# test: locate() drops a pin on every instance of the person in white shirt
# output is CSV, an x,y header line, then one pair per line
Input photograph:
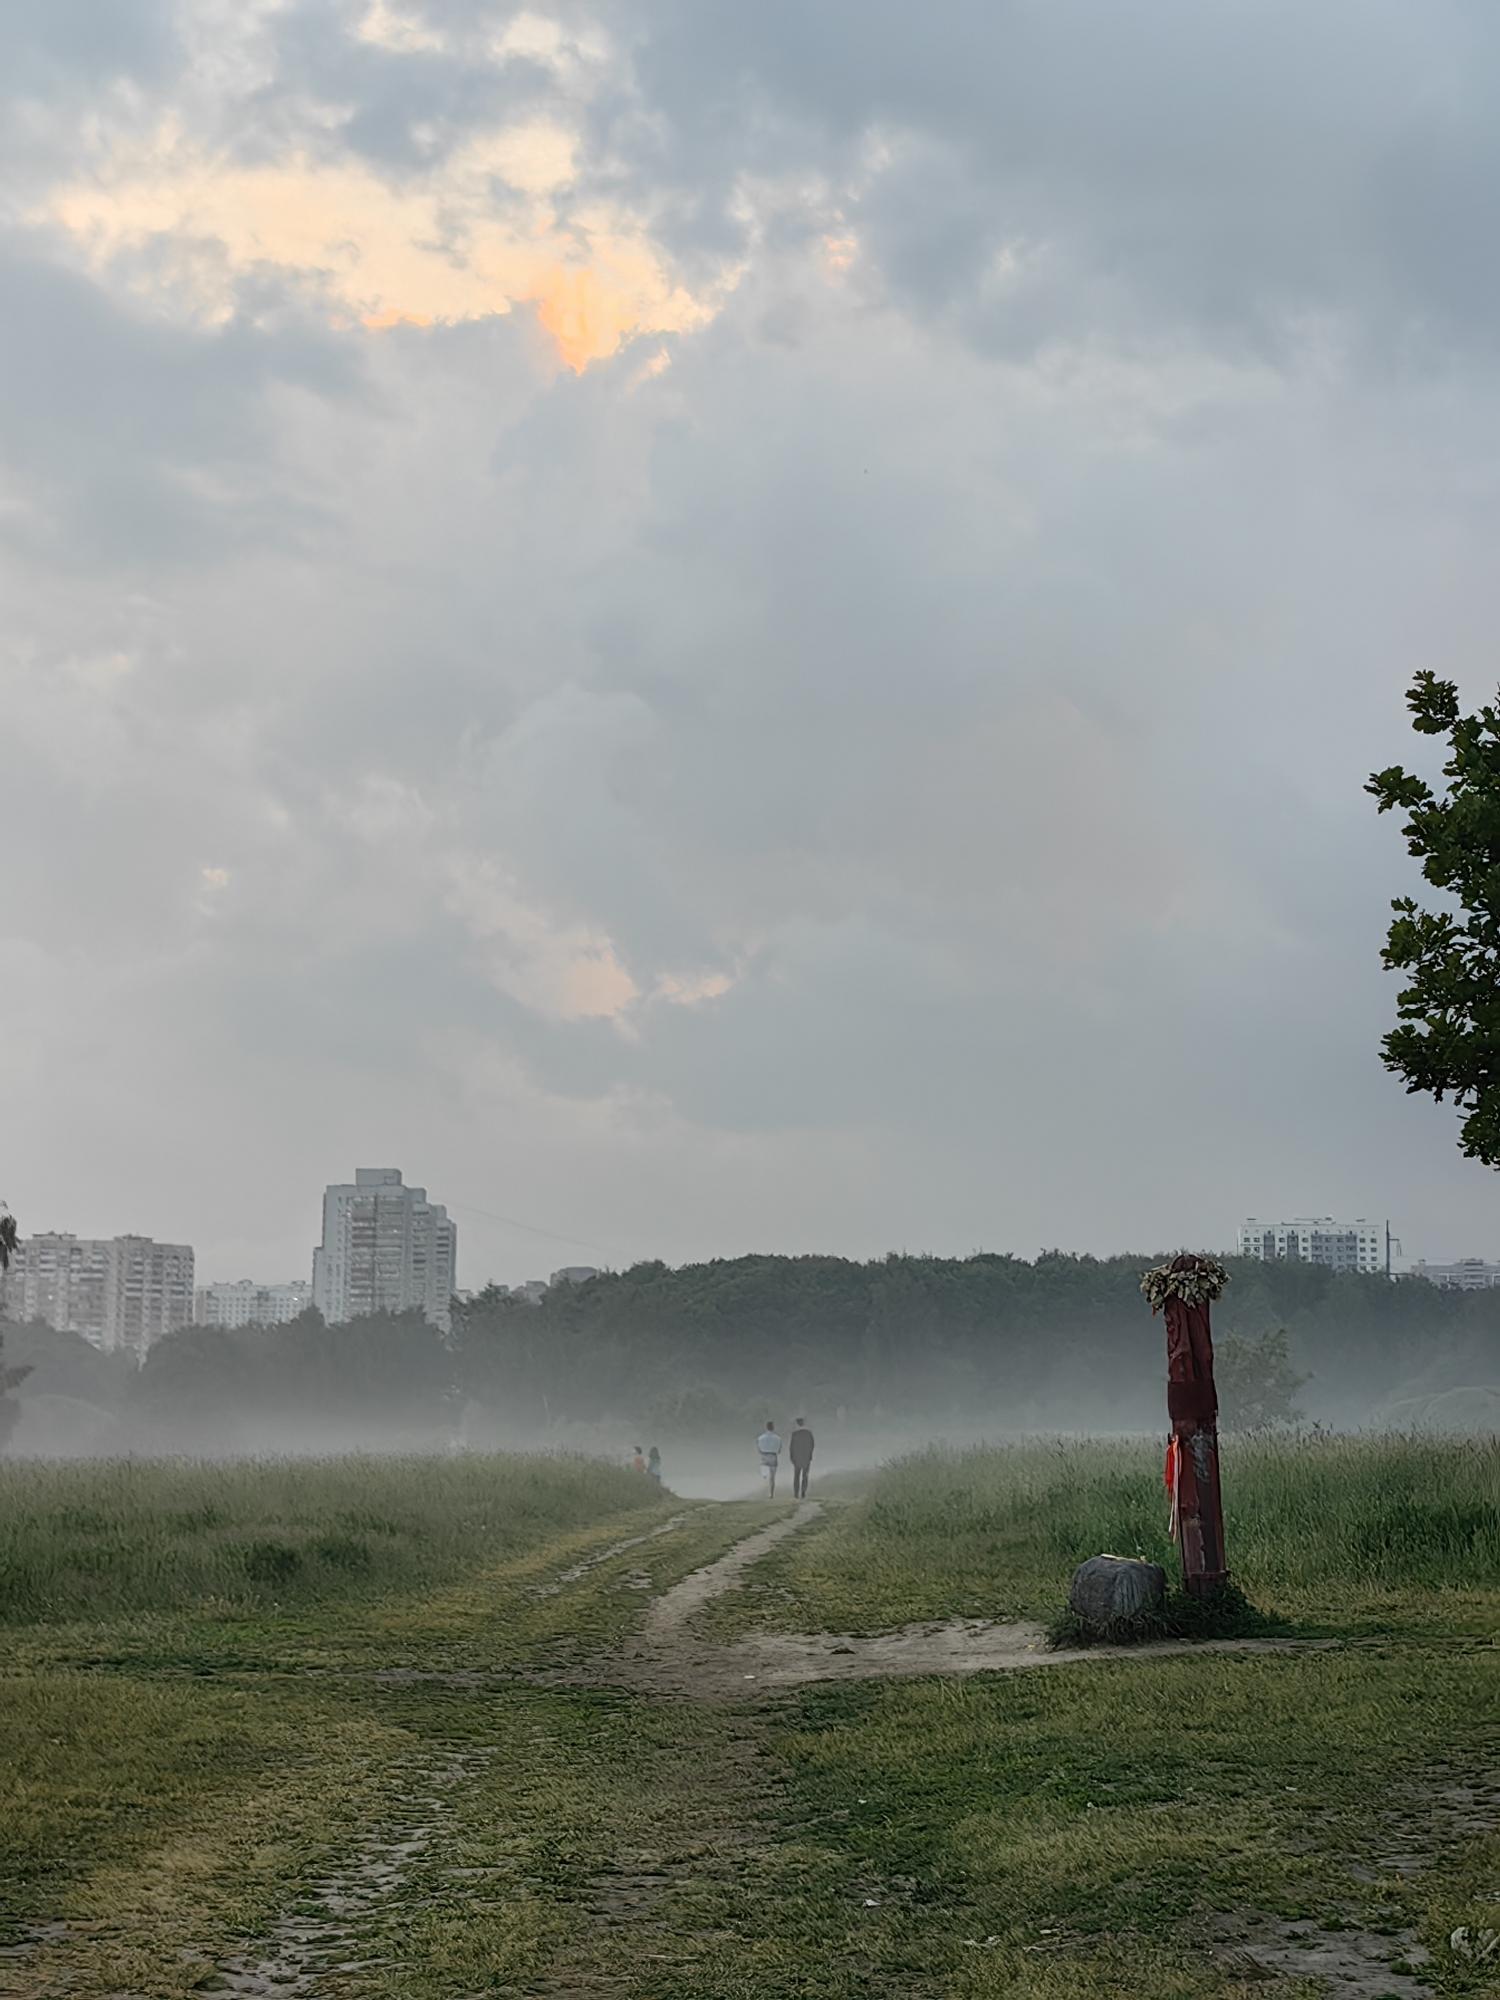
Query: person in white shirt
x,y
768,1444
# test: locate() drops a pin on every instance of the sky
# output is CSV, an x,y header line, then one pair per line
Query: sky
x,y
731,628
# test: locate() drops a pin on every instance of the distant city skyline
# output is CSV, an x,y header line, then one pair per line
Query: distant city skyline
x,y
1366,1249
393,1250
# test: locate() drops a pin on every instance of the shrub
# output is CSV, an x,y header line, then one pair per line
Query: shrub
x,y
271,1562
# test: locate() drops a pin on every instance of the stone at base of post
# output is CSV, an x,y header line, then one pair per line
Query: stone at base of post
x,y
1111,1594
1200,1515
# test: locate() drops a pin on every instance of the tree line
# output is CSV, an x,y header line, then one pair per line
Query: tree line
x,y
1059,1341
704,1350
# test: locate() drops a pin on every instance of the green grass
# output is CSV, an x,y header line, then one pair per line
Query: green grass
x,y
148,1814
1100,1822
1348,1535
112,1537
225,1738
183,1763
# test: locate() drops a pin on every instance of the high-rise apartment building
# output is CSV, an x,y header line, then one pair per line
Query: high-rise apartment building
x,y
122,1293
1341,1246
59,1279
385,1248
245,1303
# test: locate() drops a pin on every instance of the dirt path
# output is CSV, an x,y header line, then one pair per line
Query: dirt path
x,y
675,1606
667,1659
963,1646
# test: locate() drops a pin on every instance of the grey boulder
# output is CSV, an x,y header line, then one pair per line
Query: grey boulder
x,y
1113,1591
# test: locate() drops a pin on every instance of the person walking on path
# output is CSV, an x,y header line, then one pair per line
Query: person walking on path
x,y
768,1444
800,1451
653,1464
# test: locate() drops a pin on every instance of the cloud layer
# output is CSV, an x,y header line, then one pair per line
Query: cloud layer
x,y
730,628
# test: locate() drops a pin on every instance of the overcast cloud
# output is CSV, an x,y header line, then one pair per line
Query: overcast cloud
x,y
731,627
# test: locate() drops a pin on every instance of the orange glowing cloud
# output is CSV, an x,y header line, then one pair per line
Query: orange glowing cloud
x,y
566,970
591,310
473,237
583,316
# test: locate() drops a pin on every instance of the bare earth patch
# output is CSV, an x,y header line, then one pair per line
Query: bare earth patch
x,y
305,1947
1348,1964
34,1939
961,1646
576,1572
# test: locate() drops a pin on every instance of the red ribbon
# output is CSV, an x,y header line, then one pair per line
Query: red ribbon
x,y
1170,1476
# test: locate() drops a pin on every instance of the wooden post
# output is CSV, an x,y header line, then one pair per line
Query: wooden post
x,y
1182,1292
1200,1514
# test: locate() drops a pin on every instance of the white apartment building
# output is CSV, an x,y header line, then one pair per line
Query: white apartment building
x,y
245,1303
59,1279
1316,1239
1469,1274
385,1248
122,1293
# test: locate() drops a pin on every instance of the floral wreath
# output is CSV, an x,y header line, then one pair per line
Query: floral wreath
x,y
1197,1281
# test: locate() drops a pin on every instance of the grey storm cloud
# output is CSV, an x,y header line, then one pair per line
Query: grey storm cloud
x,y
51,46
727,627
107,418
1233,169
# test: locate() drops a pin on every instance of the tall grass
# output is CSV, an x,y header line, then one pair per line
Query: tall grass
x,y
1353,1533
112,1537
1308,1509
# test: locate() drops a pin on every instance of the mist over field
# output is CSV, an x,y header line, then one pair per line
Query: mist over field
x,y
879,1357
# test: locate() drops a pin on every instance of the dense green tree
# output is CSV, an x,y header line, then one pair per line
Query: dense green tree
x,y
1447,1043
382,1380
61,1363
1256,1381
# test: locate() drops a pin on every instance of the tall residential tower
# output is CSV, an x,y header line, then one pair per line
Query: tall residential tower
x,y
385,1248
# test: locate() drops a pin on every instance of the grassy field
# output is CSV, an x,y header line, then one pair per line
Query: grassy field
x,y
1341,1535
98,1540
443,1746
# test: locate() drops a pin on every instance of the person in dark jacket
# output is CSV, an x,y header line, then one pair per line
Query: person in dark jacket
x,y
800,1451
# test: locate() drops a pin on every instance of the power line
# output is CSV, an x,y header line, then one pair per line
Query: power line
x,y
530,1228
